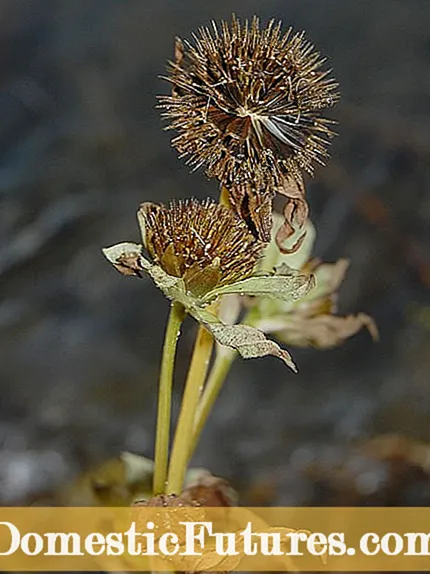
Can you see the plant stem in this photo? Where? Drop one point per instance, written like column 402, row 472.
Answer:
column 193, row 388
column 177, row 314
column 220, row 369
column 219, row 372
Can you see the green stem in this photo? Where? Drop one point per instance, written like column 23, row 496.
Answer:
column 193, row 388
column 220, row 369
column 177, row 314
column 217, row 376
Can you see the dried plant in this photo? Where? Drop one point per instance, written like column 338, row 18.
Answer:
column 248, row 105
column 312, row 321
column 204, row 243
column 197, row 259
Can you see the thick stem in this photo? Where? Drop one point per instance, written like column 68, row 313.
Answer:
column 193, row 388
column 176, row 317
column 212, row 389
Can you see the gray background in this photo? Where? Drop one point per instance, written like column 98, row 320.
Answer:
column 81, row 145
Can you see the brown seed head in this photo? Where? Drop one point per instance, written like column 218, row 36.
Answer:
column 247, row 103
column 205, row 243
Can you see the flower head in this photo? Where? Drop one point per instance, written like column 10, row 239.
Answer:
column 205, row 243
column 201, row 251
column 247, row 104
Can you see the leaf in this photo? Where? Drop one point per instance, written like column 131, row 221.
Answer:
column 199, row 281
column 137, row 467
column 115, row 482
column 249, row 342
column 296, row 212
column 142, row 221
column 321, row 331
column 298, row 258
column 127, row 258
column 207, row 490
column 286, row 284
column 172, row 287
column 329, row 277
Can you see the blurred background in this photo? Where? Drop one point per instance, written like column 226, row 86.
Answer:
column 81, row 145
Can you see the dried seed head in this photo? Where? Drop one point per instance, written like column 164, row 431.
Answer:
column 203, row 242
column 247, row 103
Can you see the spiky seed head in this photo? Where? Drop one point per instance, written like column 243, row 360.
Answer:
column 247, row 103
column 205, row 243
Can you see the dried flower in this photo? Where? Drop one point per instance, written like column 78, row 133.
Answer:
column 203, row 242
column 201, row 251
column 312, row 321
column 247, row 104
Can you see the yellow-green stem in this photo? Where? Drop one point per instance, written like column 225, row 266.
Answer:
column 212, row 389
column 193, row 388
column 220, row 369
column 177, row 314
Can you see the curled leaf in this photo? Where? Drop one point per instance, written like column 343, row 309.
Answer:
column 254, row 206
column 273, row 257
column 126, row 258
column 248, row 341
column 296, row 212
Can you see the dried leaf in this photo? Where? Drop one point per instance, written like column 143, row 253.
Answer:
column 273, row 257
column 329, row 277
column 296, row 212
column 255, row 207
column 126, row 258
column 321, row 331
column 136, row 467
column 247, row 341
column 209, row 490
column 229, row 309
column 115, row 482
column 285, row 284
column 200, row 280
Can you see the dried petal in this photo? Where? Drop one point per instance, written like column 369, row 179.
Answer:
column 321, row 331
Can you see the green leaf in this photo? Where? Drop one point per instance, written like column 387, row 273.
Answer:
column 246, row 340
column 285, row 284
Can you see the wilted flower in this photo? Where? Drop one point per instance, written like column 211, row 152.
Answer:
column 205, row 243
column 201, row 251
column 312, row 321
column 247, row 104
